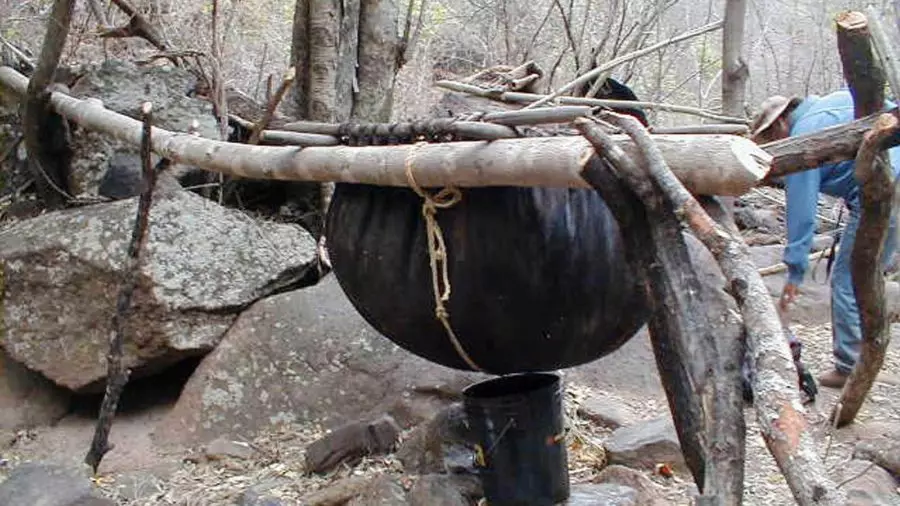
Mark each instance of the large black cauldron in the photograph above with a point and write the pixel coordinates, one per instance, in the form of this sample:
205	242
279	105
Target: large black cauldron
538	275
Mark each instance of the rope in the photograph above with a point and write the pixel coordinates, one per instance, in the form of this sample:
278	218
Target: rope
437	250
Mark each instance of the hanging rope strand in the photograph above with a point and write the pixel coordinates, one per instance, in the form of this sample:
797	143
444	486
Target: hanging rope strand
437	251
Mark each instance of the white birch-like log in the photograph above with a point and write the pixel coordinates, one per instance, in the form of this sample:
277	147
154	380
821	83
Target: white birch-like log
705	164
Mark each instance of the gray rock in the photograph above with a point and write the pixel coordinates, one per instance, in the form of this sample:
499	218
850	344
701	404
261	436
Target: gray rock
645	444
648	492
27	399
303	356
351	442
440	445
869	484
251	497
48	485
123	86
223	447
606	411
62	273
589	494
443	490
761	219
381	491
124	177
883	451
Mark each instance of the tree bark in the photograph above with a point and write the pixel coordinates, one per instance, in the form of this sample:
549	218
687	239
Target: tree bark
884	44
379	60
877	193
829	145
866	81
697	353
734	69
777	399
325	23
46	134
713	164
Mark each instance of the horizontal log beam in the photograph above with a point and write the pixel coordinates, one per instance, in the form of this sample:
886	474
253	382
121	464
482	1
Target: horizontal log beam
706	164
829	145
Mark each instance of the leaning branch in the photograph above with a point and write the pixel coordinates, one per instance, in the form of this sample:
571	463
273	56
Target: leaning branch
861	69
777	399
272	106
117	373
714	164
584	78
877	193
137	26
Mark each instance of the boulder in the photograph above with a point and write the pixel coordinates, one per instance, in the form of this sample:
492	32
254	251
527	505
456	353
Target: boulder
443	490
381	491
49	485
589	494
306	356
123	86
868	485
606	411
27	399
203	264
439	445
646	444
883	451
648	492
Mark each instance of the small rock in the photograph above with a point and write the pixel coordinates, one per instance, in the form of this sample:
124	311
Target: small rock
760	219
381	491
606	411
645	444
883	451
648	493
607	494
444	490
870	485
351	442
48	485
439	445
251	497
223	447
339	492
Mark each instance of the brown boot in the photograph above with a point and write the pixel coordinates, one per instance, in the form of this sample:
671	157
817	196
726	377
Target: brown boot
833	379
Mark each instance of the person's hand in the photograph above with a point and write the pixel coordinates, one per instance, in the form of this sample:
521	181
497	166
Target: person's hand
788	295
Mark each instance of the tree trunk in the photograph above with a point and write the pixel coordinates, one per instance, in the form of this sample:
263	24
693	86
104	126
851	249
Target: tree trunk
379	60
734	69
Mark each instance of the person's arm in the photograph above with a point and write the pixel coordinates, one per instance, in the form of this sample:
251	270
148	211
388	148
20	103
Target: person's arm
802	195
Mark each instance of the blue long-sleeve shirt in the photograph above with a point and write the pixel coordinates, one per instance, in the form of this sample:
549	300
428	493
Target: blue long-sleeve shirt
802	188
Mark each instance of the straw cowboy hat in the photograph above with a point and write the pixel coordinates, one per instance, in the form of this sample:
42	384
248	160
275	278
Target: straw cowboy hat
769	111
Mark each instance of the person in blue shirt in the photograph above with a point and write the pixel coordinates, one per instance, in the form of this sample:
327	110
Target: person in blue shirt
781	117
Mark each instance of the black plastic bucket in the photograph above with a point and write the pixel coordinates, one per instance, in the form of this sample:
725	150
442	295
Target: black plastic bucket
517	427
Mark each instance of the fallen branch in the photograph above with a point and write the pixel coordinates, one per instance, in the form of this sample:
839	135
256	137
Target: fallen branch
117	375
584	78
776	395
18	53
46	134
528	98
272	106
781	267
721	165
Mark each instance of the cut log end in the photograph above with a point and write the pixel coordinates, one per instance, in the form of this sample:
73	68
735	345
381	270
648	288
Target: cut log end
851	20
750	155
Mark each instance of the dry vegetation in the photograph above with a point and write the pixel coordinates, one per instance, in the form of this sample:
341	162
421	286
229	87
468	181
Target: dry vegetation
789	46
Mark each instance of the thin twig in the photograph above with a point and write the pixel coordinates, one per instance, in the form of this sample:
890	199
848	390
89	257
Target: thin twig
117	374
623	59
857	475
273	104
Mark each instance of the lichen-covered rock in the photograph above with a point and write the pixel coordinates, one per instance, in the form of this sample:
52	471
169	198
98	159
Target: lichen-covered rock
203	264
49	485
302	356
123	86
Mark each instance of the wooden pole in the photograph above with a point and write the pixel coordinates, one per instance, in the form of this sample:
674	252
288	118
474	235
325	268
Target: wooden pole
734	70
866	80
707	164
777	398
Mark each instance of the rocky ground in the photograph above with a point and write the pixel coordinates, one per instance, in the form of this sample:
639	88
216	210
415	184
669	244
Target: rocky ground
290	397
